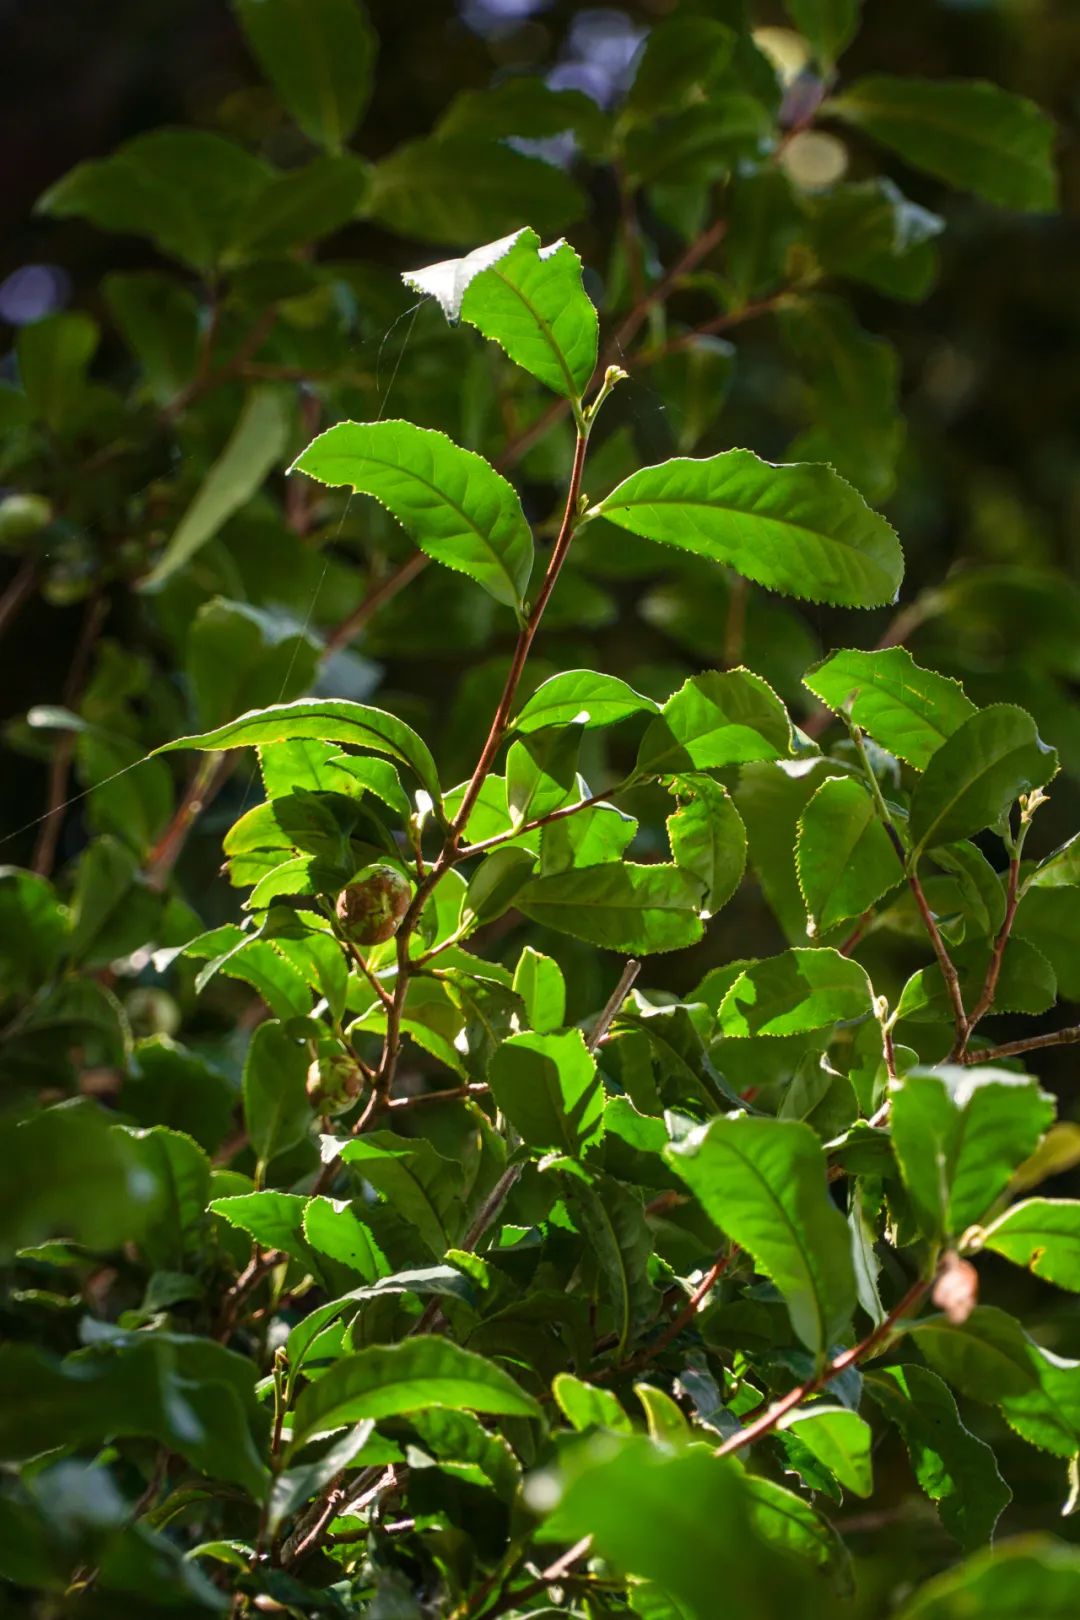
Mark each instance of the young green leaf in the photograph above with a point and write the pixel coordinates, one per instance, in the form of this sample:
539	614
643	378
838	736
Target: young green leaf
908	710
1042	1234
640	910
548	1088
582	697
974	778
328	720
539	981
716	718
803	989
840	1439
763	1183
958	1471
844	856
526	298
389	1380
255	445
587	1406
708	839
959	1134
451	501
541	773
798	529
972	135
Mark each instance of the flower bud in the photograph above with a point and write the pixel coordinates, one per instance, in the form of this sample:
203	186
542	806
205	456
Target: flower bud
334	1081
370	908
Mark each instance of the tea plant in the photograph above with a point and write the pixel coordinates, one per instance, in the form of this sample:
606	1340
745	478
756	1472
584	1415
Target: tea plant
473	1263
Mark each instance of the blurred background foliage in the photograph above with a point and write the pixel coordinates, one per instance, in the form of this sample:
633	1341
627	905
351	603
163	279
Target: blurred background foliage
985	492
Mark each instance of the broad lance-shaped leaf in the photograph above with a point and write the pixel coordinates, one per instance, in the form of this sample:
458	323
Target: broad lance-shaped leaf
527	298
1042	1234
276	1109
974	778
641	910
583	697
972	135
838	1438
254	446
1060	870
799	529
327	720
452	502
959	1134
388	1380
721	717
844	856
319	56
908	710
763	1182
708	839
958	1471
539	981
1034	1575
549	1090
801	990
829	25
990	1358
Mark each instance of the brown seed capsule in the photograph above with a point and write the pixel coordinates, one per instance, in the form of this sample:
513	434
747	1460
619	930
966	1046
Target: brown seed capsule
370	908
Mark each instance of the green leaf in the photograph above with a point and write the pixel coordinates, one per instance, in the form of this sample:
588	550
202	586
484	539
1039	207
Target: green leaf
829	25
525	105
462	188
526	298
680	55
798	529
256	444
990	1358
957	1471
975	776
644	1506
708	839
328	720
31	913
587	1406
541	773
972	135
1026	983
274	1219
1060	870
1030	1575
295	1486
319	56
699	144
240	658
872	233
183	188
421	1186
838	1438
851	381
908	710
619	906
584	698
389	1380
959	1134
539	981
548	1088
763	1182
158	319
1048	921
1042	1234
716	718
334	1229
844	856
53	355
803	989
452	502
594	836
302	205
619	1241
276	1109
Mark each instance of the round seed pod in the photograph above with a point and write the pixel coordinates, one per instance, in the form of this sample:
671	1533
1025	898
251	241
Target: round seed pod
371	907
334	1081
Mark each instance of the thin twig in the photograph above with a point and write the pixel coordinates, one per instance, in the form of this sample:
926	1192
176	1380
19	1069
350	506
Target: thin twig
613	1003
540	821
867	1347
209	778
44	857
1031	1043
18	592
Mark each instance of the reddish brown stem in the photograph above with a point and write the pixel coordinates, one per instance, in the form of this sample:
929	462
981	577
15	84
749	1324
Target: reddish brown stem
1032	1043
997	956
18	592
540	821
209	778
945	962
867	1347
